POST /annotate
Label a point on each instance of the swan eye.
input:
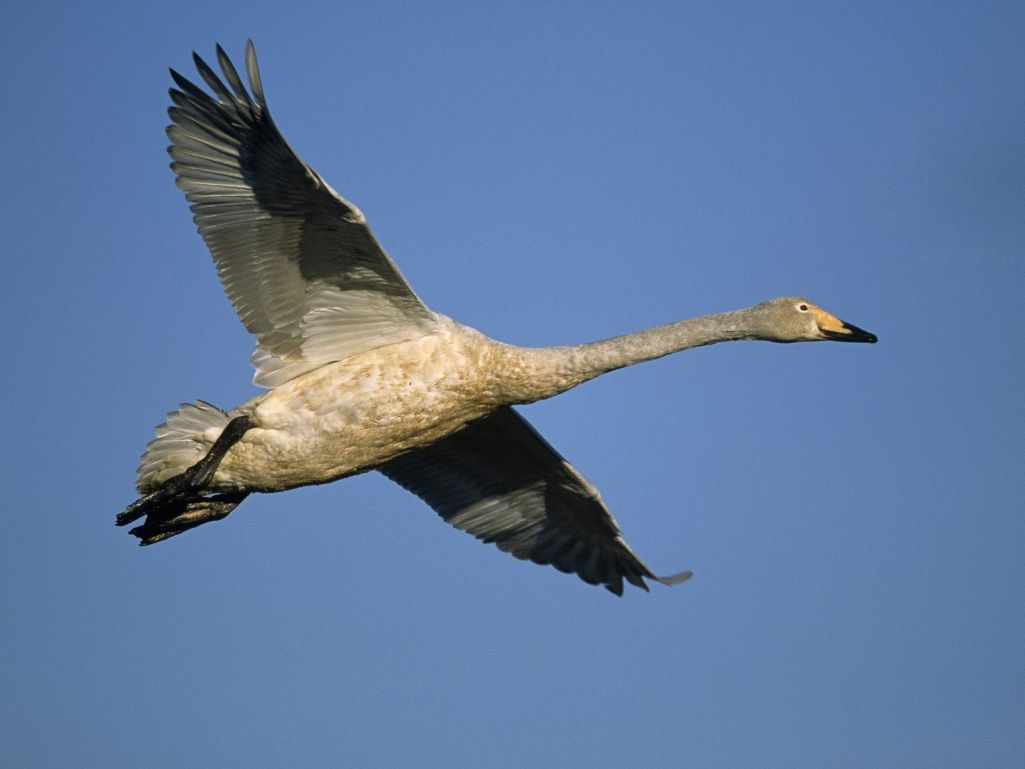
(802, 307)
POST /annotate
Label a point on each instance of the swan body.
(363, 376)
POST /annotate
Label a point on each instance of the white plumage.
(364, 376)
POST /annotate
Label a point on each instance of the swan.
(360, 375)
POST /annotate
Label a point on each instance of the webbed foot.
(176, 517)
(183, 502)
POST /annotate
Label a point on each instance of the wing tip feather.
(253, 73)
(675, 579)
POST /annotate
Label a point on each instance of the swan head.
(794, 319)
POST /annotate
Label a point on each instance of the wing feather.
(499, 480)
(298, 262)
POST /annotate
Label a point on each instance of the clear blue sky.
(549, 173)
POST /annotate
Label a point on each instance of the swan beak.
(839, 331)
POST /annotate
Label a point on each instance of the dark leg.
(174, 498)
(176, 517)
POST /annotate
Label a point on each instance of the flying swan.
(361, 375)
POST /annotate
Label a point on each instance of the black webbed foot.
(183, 502)
(176, 517)
(174, 492)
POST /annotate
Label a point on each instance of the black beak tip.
(852, 334)
(860, 335)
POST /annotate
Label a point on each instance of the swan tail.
(183, 439)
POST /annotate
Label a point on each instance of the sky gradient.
(549, 174)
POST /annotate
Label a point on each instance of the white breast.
(346, 417)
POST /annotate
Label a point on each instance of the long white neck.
(542, 372)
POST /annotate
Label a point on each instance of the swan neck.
(561, 368)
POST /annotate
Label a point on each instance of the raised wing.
(298, 261)
(499, 480)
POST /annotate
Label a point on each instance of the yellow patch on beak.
(830, 323)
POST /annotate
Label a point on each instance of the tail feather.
(182, 440)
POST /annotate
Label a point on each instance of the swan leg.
(181, 498)
(175, 517)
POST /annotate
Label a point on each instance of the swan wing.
(499, 480)
(297, 260)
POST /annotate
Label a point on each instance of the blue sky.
(548, 173)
